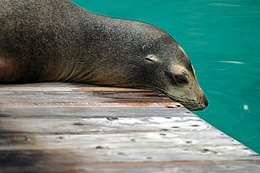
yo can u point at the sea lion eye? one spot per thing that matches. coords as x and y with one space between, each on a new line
179 78
182 78
171 77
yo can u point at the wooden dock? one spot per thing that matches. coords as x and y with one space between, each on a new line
76 128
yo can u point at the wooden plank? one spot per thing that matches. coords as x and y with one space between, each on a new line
84 100
45 98
42 165
84 95
156 142
106 125
164 135
59 127
91 112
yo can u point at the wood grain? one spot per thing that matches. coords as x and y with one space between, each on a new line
74 128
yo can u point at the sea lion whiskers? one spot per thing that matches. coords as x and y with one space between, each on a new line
183 100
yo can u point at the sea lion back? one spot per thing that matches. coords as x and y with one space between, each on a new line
36 37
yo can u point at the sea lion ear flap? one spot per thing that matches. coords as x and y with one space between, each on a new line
151 58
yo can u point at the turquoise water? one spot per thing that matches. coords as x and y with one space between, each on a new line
222 39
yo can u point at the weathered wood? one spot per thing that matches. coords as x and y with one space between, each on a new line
84 101
161 133
58 127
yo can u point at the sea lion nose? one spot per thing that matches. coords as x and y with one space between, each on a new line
205 101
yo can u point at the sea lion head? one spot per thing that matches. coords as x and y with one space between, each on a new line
136 54
170 72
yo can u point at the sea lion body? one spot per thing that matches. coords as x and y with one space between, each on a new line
55 40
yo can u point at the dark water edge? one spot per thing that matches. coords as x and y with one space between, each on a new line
222 40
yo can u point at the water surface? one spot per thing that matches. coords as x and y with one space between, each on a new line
222 39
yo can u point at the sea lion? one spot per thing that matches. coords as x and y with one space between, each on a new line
55 40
